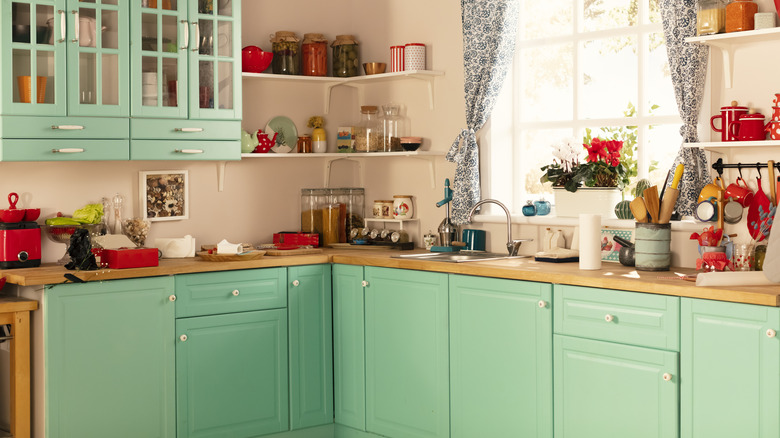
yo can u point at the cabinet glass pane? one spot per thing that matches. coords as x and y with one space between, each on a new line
45 83
225 82
110 69
206 6
87 75
44 25
225 47
206 46
149 32
149 81
170 85
225 7
110 25
170 33
206 84
110 2
162 4
87 27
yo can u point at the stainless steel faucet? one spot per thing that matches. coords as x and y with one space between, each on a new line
511 245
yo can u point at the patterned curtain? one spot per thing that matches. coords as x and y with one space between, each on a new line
688 64
489 33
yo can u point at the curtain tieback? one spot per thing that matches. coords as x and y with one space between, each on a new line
466 135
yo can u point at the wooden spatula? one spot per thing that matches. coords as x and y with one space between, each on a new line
669 199
638 209
652 203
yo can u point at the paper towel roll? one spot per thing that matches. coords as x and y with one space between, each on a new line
225 247
590 241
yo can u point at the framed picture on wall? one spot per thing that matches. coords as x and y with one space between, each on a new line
164 195
610 250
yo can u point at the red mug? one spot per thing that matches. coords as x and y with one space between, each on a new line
740 193
727 115
773 128
748 127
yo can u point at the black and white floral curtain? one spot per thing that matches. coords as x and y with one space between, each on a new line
688 64
489 34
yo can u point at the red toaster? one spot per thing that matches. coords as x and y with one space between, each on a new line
20 245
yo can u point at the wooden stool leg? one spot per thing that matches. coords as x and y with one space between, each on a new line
20 375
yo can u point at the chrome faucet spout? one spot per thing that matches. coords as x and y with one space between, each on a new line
512 246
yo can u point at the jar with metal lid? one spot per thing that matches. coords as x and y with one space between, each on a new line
710 17
368 133
315 54
312 202
393 127
287 55
304 144
345 56
740 15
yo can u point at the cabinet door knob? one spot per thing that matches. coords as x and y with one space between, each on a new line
542 304
183 338
296 283
667 377
609 318
364 283
771 333
172 298
235 292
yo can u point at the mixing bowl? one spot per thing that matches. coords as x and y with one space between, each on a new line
374 68
255 60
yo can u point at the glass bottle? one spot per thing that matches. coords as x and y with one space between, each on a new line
315 54
394 127
287 56
368 133
345 56
710 17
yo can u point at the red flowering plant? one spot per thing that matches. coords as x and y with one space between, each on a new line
602 168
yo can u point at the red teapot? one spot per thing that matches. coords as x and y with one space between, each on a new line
773 128
748 127
265 143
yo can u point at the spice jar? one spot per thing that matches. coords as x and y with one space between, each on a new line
368 133
345 56
393 127
304 144
315 54
739 15
287 56
710 17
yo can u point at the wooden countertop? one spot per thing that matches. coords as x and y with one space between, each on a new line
611 276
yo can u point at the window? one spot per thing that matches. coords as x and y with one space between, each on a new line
582 66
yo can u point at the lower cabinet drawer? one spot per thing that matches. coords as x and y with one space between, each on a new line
212 293
201 150
63 150
172 129
625 317
64 127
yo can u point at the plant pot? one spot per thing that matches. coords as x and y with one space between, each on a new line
587 200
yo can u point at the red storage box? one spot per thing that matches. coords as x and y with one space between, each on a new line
130 258
299 239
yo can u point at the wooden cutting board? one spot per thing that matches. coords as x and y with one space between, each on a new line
251 255
292 252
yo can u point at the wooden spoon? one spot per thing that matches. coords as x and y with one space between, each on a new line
652 203
638 208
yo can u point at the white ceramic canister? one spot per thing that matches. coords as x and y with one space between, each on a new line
403 208
414 56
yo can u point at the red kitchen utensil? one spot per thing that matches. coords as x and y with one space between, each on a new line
13 198
12 214
758 214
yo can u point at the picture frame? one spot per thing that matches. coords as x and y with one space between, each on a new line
164 195
610 250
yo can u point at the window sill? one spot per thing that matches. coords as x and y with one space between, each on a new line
683 225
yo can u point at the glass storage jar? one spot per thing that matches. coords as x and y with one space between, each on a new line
287 55
394 127
739 15
345 56
312 203
330 224
368 133
315 54
710 17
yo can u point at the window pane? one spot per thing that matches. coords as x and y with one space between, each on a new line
658 80
537 145
609 14
662 146
609 77
541 19
655 14
547 84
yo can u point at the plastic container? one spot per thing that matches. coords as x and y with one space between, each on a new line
394 127
346 59
315 54
287 54
351 214
368 133
331 214
710 17
739 15
312 202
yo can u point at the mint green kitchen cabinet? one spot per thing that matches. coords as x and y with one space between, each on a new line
110 351
407 353
500 358
349 376
309 305
231 374
730 358
615 363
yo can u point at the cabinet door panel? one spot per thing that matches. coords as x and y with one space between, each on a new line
731 384
110 359
311 346
407 353
613 390
231 375
349 346
500 358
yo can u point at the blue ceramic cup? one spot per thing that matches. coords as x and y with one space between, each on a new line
474 240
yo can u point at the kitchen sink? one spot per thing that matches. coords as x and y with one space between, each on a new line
457 257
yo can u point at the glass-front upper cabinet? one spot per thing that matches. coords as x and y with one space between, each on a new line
186 59
63 58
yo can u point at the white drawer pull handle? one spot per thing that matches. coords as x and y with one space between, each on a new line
542 304
296 283
609 318
76 26
236 292
188 129
667 377
68 151
771 333
188 151
364 283
172 298
186 34
68 127
183 338
62 26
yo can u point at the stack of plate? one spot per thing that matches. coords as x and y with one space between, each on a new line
149 89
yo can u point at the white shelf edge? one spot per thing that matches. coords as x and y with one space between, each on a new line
349 155
376 219
718 145
354 79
